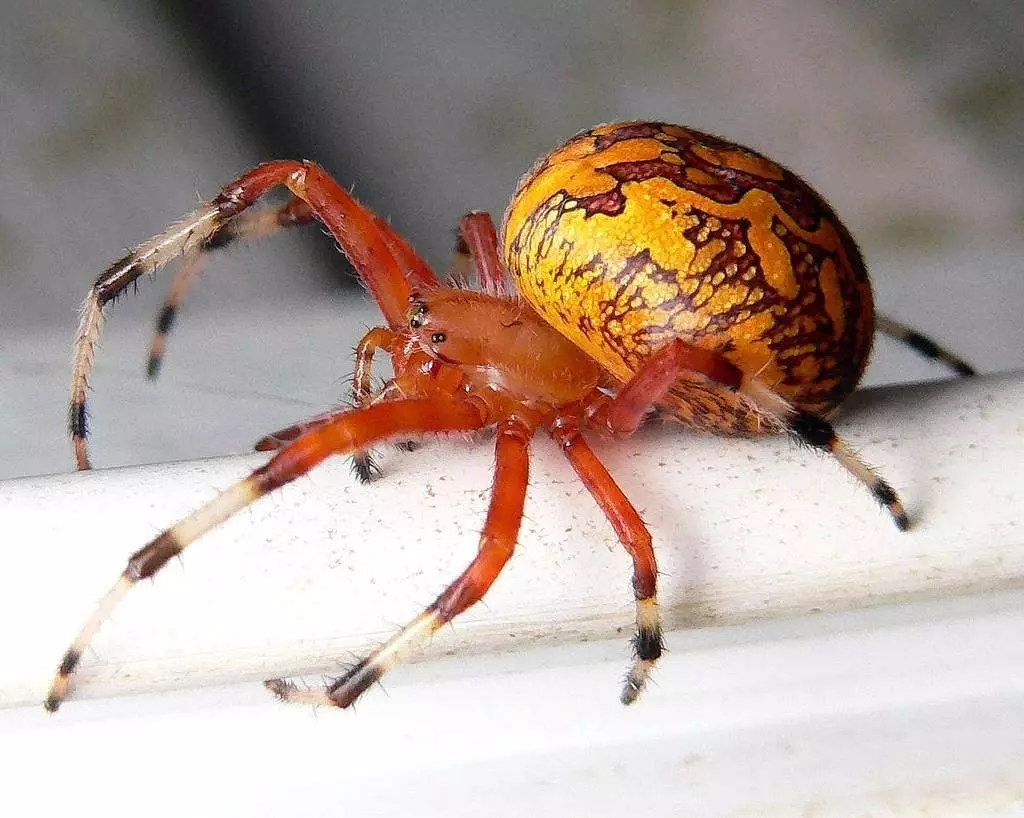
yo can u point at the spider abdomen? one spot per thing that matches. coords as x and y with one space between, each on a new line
630 235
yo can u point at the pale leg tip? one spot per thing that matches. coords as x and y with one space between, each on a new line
629 694
281 689
636 681
285 691
57 693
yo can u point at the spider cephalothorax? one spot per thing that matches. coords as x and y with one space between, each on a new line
660 272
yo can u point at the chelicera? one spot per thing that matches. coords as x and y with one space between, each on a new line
659 273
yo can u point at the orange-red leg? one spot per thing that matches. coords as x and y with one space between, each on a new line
652 380
417 274
276 441
377 339
346 433
246 226
366 240
369 244
634 536
478 240
621 415
497 542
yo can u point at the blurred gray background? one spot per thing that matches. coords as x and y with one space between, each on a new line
118 116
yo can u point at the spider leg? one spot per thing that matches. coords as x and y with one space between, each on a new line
414 270
658 373
247 226
386 265
815 431
282 437
623 415
497 542
367 240
189 270
923 344
363 463
476 243
347 432
380 338
634 536
458 273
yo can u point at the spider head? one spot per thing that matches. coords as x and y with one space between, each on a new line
443 325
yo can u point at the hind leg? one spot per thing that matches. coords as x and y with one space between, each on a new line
662 371
635 538
247 226
923 344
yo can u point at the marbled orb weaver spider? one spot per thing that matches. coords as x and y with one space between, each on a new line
659 272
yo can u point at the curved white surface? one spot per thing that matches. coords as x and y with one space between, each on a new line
769 709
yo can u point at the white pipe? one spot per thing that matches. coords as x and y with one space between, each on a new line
326 567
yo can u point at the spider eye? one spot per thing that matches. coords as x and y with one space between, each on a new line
438 338
416 313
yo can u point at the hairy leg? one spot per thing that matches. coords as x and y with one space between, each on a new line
346 433
922 344
370 248
190 269
477 243
622 414
817 432
497 542
634 536
246 226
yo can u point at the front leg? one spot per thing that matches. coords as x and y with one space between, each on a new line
385 263
344 434
497 542
247 226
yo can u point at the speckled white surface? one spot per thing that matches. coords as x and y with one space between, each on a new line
909 711
744 530
776 708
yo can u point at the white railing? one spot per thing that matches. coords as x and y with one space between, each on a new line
910 685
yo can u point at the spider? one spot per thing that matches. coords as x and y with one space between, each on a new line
660 272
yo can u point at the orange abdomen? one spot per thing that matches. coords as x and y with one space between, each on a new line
635 233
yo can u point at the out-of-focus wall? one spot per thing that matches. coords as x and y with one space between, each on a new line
119 115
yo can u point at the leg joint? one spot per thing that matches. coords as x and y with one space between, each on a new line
812 430
148 560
